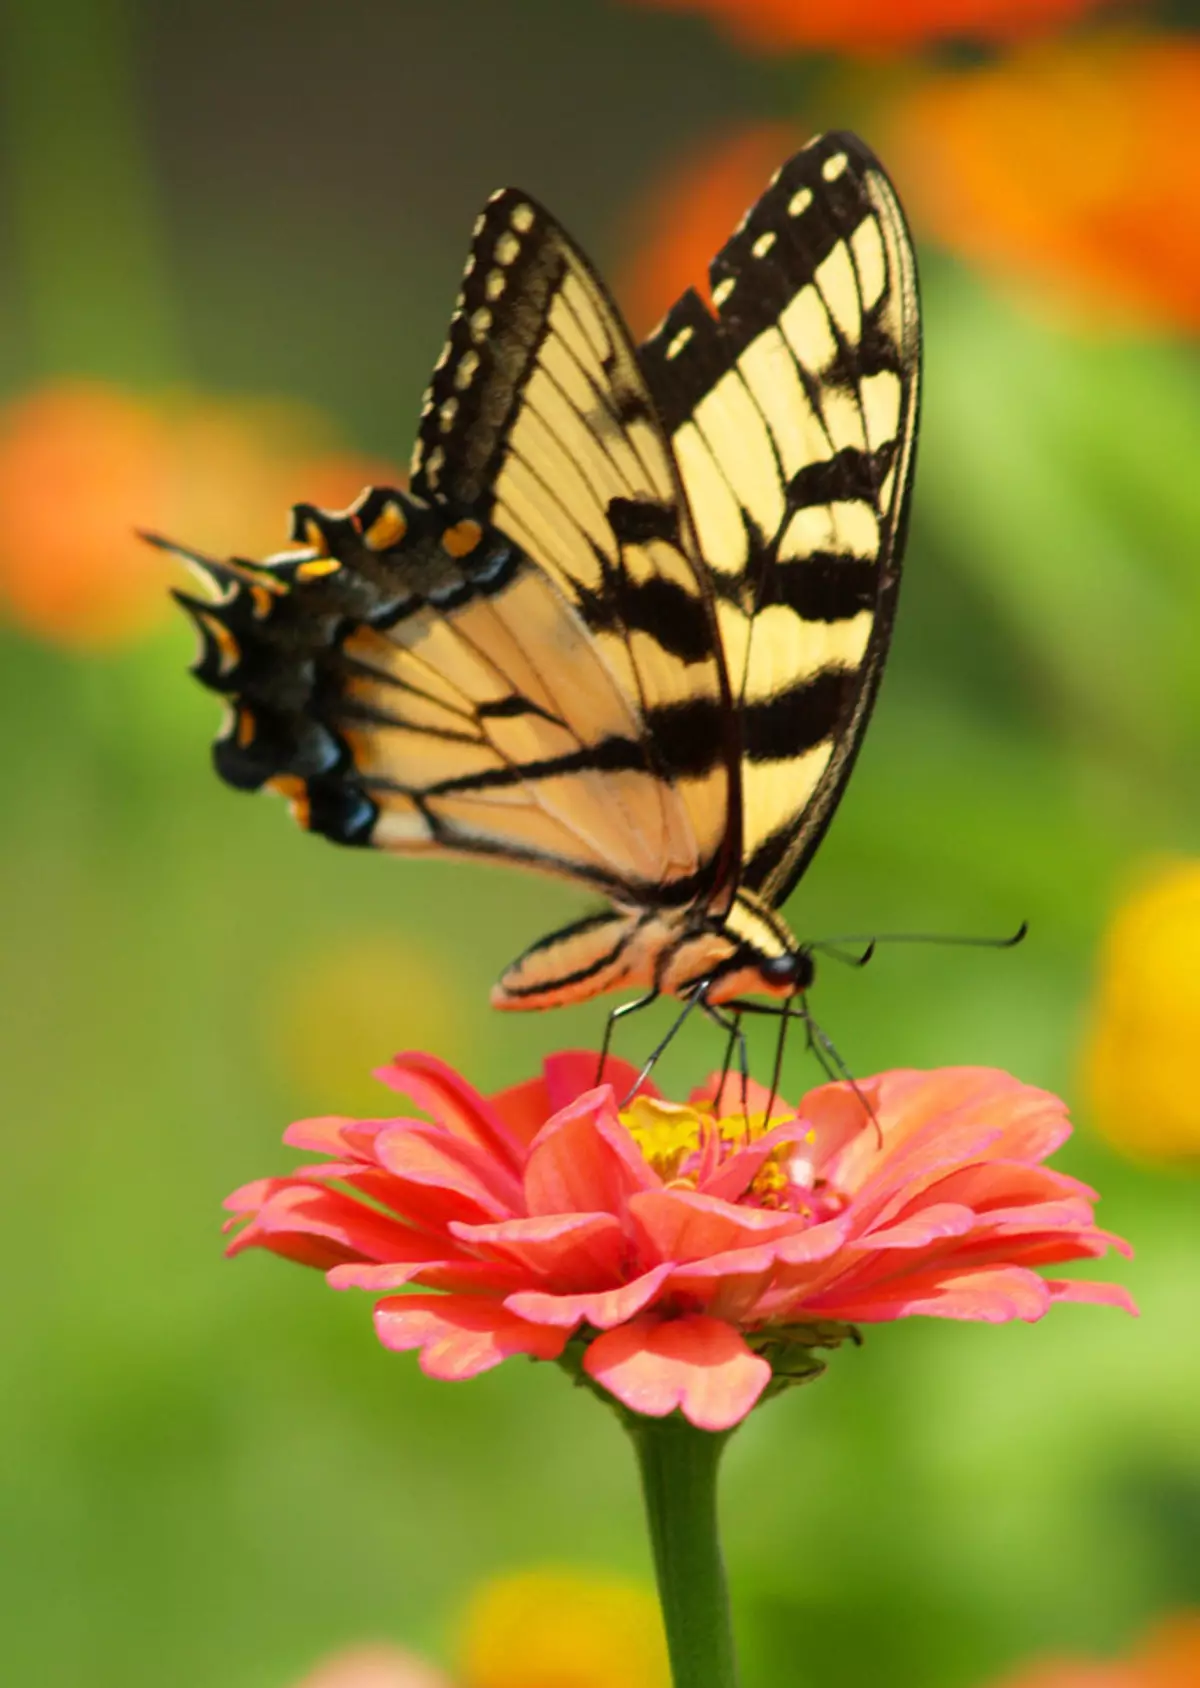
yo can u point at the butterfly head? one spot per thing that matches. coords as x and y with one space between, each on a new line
747 951
750 970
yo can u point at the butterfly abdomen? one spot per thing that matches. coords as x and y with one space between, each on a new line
674 951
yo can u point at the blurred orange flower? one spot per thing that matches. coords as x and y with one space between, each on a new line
684 219
1169 1658
535 1629
1139 1057
1075 164
876 26
82 465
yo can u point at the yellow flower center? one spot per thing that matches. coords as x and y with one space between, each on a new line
679 1140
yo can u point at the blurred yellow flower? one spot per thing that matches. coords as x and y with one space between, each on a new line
535 1629
84 464
335 1013
563 1629
1139 1057
1074 164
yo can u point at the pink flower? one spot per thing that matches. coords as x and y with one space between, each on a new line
681 1255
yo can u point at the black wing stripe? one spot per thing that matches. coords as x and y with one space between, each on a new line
799 718
823 586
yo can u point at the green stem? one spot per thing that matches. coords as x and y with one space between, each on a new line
678 1465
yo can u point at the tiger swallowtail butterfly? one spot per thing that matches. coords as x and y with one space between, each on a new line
628 621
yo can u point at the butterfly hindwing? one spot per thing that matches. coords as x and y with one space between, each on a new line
418 685
538 419
792 413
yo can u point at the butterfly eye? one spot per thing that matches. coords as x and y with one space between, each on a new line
794 968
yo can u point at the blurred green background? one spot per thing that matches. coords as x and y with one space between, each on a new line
252 217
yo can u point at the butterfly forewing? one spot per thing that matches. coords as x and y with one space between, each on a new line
792 414
539 420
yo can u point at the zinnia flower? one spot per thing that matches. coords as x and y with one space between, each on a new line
688 1254
1076 164
1139 1056
875 26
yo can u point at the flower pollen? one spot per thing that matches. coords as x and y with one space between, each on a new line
670 1136
686 1143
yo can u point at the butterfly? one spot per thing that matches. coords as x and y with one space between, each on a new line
627 623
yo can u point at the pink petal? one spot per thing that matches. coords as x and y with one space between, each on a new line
993 1294
1006 1183
573 1071
726 1286
477 1276
733 1176
818 1243
248 1198
601 1308
321 1135
932 1120
571 1251
682 1225
524 1108
461 1335
584 1161
323 1228
439 1177
450 1100
1085 1289
698 1364
927 1225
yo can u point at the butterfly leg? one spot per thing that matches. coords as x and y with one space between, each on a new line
734 1031
732 1023
616 1014
777 1071
651 1061
832 1065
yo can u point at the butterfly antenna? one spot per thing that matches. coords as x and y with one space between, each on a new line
830 946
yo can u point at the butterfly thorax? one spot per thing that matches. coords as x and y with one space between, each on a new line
747 951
